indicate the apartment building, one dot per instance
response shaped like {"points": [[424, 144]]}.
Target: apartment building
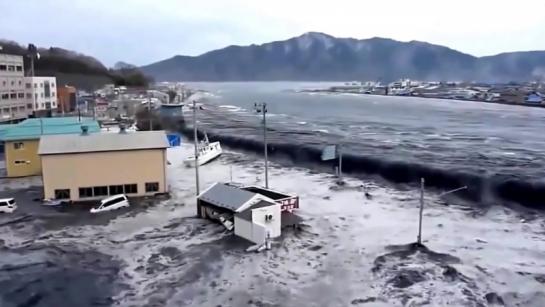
{"points": [[42, 93], [14, 104]]}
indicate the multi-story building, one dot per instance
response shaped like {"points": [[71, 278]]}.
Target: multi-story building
{"points": [[42, 92], [13, 101], [67, 99]]}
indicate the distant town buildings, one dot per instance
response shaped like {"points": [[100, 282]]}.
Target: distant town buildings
{"points": [[14, 104]]}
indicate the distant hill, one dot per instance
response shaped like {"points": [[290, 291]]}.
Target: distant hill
{"points": [[318, 56], [72, 68]]}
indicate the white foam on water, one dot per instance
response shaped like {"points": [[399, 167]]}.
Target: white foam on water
{"points": [[328, 263]]}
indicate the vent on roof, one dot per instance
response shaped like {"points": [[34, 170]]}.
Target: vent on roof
{"points": [[84, 130]]}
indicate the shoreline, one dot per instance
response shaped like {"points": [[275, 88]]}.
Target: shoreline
{"points": [[428, 97]]}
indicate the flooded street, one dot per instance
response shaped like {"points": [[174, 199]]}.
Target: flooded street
{"points": [[350, 250]]}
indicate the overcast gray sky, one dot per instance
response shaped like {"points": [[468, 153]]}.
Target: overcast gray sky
{"points": [[145, 31]]}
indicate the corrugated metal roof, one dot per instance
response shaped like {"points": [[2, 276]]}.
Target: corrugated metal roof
{"points": [[77, 143], [34, 128], [226, 196]]}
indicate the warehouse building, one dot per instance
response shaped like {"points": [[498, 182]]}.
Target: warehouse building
{"points": [[93, 166], [20, 141]]}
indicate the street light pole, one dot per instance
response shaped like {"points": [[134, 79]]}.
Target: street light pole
{"points": [[262, 107], [196, 147]]}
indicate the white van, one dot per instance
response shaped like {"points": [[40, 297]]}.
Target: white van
{"points": [[112, 203], [7, 205]]}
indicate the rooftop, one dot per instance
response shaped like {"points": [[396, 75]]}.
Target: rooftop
{"points": [[97, 142], [34, 128], [226, 196], [247, 214]]}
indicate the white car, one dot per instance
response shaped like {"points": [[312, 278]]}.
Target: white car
{"points": [[7, 205], [111, 203]]}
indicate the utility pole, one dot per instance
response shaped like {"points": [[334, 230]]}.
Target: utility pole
{"points": [[340, 154], [419, 238], [149, 113], [196, 140], [262, 108]]}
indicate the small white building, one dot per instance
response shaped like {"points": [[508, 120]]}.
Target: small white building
{"points": [[259, 222], [255, 216], [42, 93]]}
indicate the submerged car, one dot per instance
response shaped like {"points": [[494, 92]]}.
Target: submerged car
{"points": [[7, 205], [111, 203]]}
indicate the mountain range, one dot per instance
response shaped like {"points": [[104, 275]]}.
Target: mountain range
{"points": [[317, 56]]}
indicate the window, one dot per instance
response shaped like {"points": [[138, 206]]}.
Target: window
{"points": [[13, 96], [152, 187], [43, 105], [28, 95], [21, 95], [52, 94], [62, 194], [52, 84], [20, 82], [4, 83], [19, 68], [29, 106], [85, 192], [37, 106], [21, 108], [5, 96], [19, 162], [18, 145], [42, 95], [116, 189], [131, 188], [28, 85], [100, 191], [11, 67], [12, 83], [41, 85], [35, 85], [3, 68], [36, 96]]}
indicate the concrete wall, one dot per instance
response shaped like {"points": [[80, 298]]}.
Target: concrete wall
{"points": [[243, 228], [72, 171], [273, 226], [28, 154]]}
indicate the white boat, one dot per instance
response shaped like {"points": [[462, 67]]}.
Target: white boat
{"points": [[206, 152], [111, 203]]}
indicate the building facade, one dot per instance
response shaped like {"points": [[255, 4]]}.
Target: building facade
{"points": [[66, 99], [21, 141], [14, 104], [94, 166], [42, 93]]}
